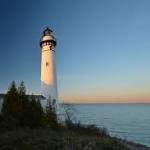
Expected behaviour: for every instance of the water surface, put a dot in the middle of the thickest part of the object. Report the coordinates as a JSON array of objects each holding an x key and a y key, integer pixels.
[{"x": 128, "y": 121}]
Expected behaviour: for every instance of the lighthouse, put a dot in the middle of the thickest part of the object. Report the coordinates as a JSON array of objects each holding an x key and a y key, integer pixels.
[{"x": 48, "y": 72}]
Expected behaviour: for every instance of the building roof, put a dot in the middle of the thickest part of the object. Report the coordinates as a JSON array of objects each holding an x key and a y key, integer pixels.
[
  {"x": 41, "y": 97},
  {"x": 2, "y": 95}
]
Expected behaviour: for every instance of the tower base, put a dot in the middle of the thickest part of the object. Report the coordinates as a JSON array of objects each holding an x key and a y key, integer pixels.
[{"x": 50, "y": 93}]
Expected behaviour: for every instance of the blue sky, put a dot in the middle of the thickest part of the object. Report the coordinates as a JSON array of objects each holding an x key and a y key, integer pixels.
[{"x": 103, "y": 47}]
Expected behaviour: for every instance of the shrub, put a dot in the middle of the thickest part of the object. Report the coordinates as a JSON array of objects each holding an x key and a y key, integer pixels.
[
  {"x": 24, "y": 109},
  {"x": 50, "y": 115}
]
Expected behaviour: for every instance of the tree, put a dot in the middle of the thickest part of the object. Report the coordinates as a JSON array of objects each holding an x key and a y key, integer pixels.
[
  {"x": 51, "y": 116},
  {"x": 22, "y": 89},
  {"x": 10, "y": 106},
  {"x": 69, "y": 111},
  {"x": 36, "y": 113},
  {"x": 26, "y": 110},
  {"x": 24, "y": 105}
]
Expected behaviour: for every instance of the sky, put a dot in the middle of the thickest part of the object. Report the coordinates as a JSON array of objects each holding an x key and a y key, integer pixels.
[{"x": 103, "y": 50}]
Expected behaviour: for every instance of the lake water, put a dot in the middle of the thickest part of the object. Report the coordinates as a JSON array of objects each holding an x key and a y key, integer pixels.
[{"x": 127, "y": 121}]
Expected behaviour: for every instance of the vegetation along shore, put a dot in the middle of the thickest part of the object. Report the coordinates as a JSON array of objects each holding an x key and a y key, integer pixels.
[{"x": 25, "y": 125}]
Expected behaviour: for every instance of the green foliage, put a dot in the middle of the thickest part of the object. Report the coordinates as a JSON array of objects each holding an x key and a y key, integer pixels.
[
  {"x": 48, "y": 139},
  {"x": 89, "y": 130},
  {"x": 11, "y": 104},
  {"x": 22, "y": 114},
  {"x": 50, "y": 114},
  {"x": 24, "y": 110},
  {"x": 24, "y": 105},
  {"x": 1, "y": 118},
  {"x": 35, "y": 113}
]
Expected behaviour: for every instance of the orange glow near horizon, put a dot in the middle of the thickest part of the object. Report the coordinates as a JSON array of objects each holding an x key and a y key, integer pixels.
[
  {"x": 106, "y": 99},
  {"x": 110, "y": 95}
]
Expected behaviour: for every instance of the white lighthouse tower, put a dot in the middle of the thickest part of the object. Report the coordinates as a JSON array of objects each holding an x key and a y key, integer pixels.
[{"x": 48, "y": 73}]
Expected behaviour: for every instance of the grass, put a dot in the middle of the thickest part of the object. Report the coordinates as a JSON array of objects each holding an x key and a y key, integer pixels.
[
  {"x": 65, "y": 137},
  {"x": 60, "y": 139}
]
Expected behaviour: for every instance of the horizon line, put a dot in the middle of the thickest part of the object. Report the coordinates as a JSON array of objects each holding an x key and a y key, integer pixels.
[{"x": 104, "y": 103}]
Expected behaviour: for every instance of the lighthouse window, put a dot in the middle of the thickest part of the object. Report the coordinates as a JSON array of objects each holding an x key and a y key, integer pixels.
[{"x": 47, "y": 64}]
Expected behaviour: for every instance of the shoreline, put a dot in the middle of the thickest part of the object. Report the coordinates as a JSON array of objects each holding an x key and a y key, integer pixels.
[{"x": 65, "y": 139}]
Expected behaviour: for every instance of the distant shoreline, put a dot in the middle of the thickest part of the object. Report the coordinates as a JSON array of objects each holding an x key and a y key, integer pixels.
[{"x": 104, "y": 103}]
